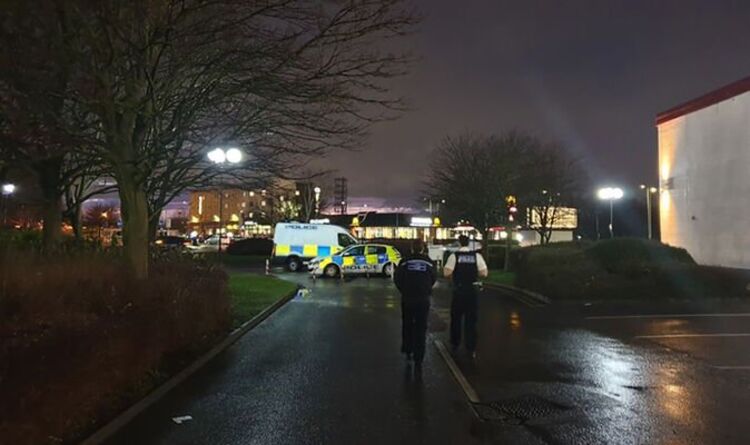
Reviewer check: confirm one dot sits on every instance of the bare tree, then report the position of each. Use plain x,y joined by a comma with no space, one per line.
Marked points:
33,81
474,174
84,178
160,82
553,187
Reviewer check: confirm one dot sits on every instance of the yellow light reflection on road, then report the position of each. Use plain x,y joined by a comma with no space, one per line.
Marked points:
515,321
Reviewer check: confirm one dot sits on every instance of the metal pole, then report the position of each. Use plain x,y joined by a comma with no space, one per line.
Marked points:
508,246
221,208
611,217
598,232
648,211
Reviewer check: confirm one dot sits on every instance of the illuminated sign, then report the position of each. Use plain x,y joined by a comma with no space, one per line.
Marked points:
417,221
556,217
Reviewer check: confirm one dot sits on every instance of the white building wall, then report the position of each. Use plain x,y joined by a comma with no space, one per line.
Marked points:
704,168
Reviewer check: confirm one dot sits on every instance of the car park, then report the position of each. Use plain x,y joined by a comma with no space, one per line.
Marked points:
360,259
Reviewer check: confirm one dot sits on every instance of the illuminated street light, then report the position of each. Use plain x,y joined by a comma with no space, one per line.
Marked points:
8,189
649,191
233,156
610,194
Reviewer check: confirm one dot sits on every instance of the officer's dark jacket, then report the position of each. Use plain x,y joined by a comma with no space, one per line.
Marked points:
415,276
465,273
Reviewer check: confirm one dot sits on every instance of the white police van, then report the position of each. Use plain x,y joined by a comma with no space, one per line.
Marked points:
296,243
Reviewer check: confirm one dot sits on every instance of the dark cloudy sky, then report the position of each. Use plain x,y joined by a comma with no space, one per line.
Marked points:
592,74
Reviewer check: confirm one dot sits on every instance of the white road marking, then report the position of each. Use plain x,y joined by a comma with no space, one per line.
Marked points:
626,317
741,334
456,371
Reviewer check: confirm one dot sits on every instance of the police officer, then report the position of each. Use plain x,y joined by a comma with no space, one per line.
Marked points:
464,267
414,278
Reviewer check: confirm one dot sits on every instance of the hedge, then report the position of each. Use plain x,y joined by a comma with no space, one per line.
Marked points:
622,269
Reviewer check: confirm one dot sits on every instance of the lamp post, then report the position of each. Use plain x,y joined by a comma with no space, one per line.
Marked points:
317,201
221,157
610,194
649,191
8,189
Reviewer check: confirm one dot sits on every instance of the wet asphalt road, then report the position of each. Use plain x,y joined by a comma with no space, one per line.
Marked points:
635,373
325,369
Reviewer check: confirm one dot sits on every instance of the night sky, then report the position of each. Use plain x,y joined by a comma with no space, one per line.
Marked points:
591,74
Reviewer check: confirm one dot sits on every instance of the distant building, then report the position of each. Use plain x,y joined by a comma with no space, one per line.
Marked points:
704,165
242,212
373,225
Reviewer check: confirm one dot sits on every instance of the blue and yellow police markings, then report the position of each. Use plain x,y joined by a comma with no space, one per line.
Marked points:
370,263
306,250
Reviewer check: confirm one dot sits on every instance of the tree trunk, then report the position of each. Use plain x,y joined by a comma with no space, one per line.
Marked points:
48,175
153,226
135,228
75,222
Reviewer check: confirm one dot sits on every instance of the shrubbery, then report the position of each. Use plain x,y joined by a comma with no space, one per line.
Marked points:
622,269
81,340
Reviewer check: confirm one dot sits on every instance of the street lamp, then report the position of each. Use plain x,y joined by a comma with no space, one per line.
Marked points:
220,157
317,201
8,189
649,191
610,194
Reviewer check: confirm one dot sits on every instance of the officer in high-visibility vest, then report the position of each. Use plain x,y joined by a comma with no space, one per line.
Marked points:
464,267
414,278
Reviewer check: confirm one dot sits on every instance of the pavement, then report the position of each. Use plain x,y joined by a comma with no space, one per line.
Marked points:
325,369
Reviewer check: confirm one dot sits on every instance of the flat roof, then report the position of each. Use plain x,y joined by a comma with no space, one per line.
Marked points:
708,99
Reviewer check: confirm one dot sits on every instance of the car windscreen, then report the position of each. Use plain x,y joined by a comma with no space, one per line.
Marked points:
346,240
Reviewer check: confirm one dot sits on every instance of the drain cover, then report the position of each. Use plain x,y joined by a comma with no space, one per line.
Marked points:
519,409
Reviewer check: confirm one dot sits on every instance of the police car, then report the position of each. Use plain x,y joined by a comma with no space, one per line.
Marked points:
358,259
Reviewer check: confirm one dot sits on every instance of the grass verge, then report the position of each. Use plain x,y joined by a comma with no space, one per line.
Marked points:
250,294
501,277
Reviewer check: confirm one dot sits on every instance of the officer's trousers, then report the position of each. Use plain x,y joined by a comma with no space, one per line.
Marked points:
414,313
464,309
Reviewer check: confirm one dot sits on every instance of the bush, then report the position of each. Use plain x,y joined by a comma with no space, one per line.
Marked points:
251,246
81,340
633,256
622,269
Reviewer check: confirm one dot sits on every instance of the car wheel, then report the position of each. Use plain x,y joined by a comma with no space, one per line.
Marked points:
388,270
331,271
293,264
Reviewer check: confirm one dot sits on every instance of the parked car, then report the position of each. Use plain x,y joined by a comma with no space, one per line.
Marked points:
210,245
171,242
357,259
